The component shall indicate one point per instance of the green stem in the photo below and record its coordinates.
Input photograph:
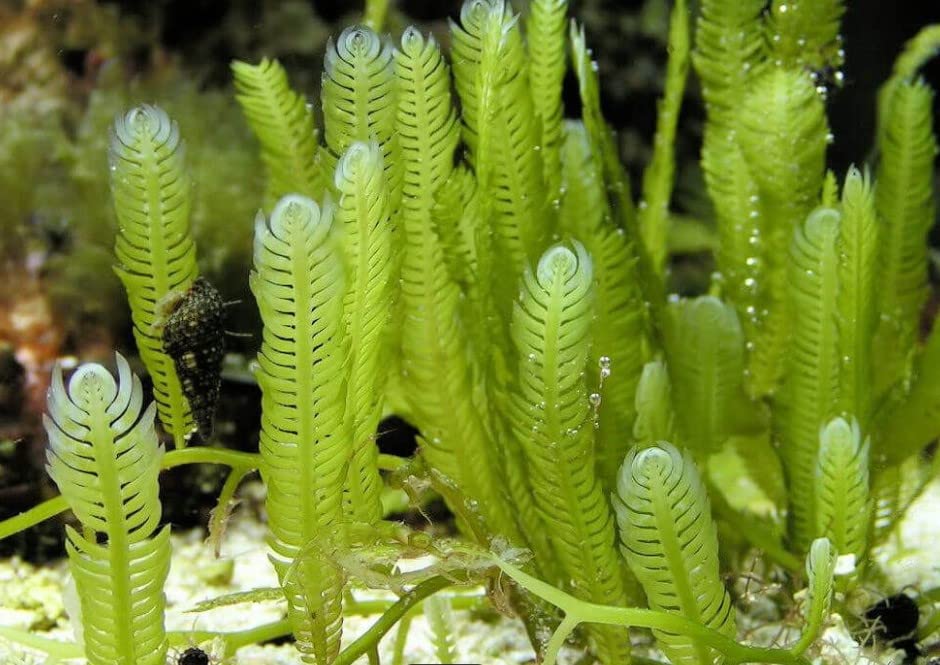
(376, 11)
(579, 611)
(401, 640)
(53, 648)
(221, 512)
(246, 462)
(391, 462)
(387, 621)
(33, 516)
(203, 455)
(233, 640)
(197, 455)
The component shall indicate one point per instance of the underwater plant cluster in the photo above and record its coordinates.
(441, 241)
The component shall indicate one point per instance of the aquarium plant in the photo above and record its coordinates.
(479, 266)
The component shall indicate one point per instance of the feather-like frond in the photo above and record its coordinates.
(655, 419)
(546, 39)
(621, 344)
(811, 389)
(603, 143)
(584, 204)
(104, 456)
(436, 367)
(426, 122)
(659, 174)
(806, 34)
(435, 363)
(670, 541)
(359, 100)
(729, 52)
(364, 223)
(820, 572)
(502, 132)
(858, 243)
(440, 616)
(705, 351)
(298, 281)
(155, 251)
(907, 427)
(284, 125)
(783, 136)
(552, 421)
(904, 199)
(893, 489)
(842, 496)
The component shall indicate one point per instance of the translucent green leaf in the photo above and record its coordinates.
(842, 495)
(298, 281)
(552, 420)
(154, 248)
(363, 216)
(904, 199)
(104, 456)
(284, 124)
(671, 544)
(811, 390)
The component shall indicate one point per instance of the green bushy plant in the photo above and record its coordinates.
(487, 274)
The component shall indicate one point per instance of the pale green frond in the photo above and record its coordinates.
(670, 541)
(546, 40)
(440, 616)
(893, 489)
(830, 191)
(904, 199)
(426, 122)
(438, 380)
(729, 53)
(806, 34)
(762, 461)
(655, 418)
(621, 344)
(476, 72)
(458, 219)
(363, 218)
(359, 101)
(468, 250)
(705, 352)
(104, 456)
(603, 143)
(122, 598)
(917, 51)
(783, 137)
(284, 125)
(584, 206)
(907, 427)
(298, 281)
(436, 367)
(742, 269)
(154, 248)
(515, 184)
(820, 571)
(552, 421)
(842, 488)
(660, 173)
(811, 387)
(859, 247)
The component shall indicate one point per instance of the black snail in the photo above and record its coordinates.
(193, 337)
